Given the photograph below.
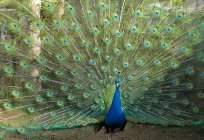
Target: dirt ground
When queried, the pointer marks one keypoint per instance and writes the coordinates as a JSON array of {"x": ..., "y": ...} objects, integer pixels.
[{"x": 131, "y": 132}]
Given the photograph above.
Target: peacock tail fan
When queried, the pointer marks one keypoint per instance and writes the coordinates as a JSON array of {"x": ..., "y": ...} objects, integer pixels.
[{"x": 58, "y": 72}]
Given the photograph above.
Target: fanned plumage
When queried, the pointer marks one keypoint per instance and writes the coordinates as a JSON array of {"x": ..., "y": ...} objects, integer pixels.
[{"x": 59, "y": 71}]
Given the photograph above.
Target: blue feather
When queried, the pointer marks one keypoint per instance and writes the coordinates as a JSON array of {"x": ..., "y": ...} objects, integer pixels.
[{"x": 115, "y": 116}]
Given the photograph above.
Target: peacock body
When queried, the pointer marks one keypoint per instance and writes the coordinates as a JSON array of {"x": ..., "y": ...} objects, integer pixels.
[{"x": 102, "y": 62}]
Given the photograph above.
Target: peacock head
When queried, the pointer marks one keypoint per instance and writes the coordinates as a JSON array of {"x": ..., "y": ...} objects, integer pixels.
[{"x": 117, "y": 82}]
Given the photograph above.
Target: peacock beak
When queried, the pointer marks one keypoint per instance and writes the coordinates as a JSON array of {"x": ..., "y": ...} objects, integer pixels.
[{"x": 117, "y": 82}]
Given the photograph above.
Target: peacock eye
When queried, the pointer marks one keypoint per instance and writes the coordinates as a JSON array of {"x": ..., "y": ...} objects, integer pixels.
[
  {"x": 134, "y": 29},
  {"x": 191, "y": 35},
  {"x": 202, "y": 75},
  {"x": 202, "y": 25},
  {"x": 179, "y": 17},
  {"x": 137, "y": 14},
  {"x": 116, "y": 17},
  {"x": 48, "y": 5}
]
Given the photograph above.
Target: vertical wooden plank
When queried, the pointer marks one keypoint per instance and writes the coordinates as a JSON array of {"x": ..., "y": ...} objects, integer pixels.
[{"x": 36, "y": 5}]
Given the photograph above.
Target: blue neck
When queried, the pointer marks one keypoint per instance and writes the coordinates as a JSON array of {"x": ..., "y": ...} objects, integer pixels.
[{"x": 115, "y": 116}]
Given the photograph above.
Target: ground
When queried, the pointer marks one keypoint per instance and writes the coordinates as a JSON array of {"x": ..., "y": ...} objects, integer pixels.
[{"x": 131, "y": 132}]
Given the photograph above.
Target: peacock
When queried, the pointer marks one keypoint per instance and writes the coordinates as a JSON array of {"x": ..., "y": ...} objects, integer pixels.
[{"x": 100, "y": 63}]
